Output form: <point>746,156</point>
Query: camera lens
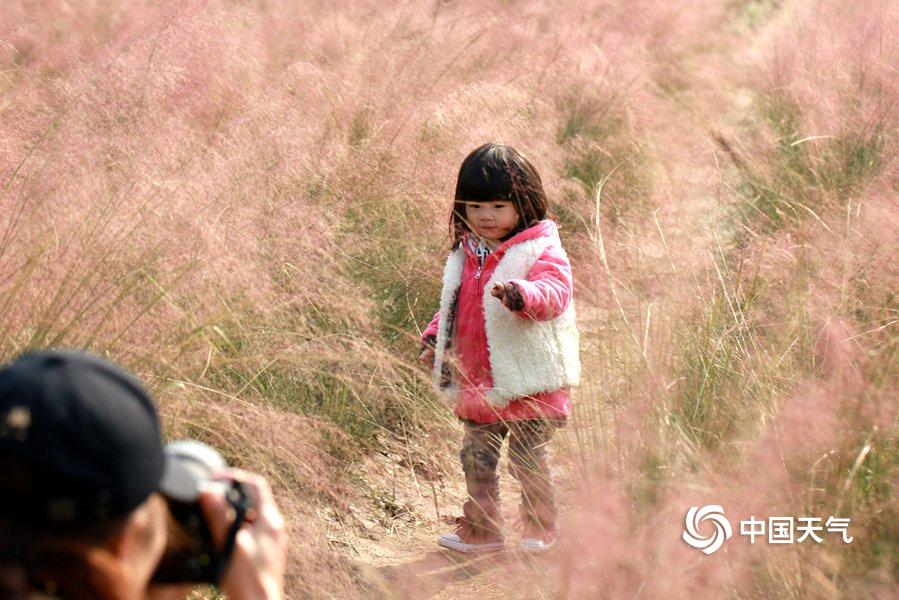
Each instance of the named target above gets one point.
<point>188,463</point>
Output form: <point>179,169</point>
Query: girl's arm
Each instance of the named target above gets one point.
<point>428,342</point>
<point>429,335</point>
<point>547,290</point>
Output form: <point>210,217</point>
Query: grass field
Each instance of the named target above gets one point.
<point>246,202</point>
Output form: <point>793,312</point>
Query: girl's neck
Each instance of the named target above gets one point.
<point>490,244</point>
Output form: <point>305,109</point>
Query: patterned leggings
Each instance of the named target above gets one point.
<point>528,440</point>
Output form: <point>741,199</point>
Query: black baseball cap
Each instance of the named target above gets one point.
<point>80,441</point>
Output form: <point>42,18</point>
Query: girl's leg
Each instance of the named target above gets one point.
<point>480,456</point>
<point>528,463</point>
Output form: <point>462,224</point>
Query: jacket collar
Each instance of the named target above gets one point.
<point>545,227</point>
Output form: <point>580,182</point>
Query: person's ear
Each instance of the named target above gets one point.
<point>137,528</point>
<point>142,538</point>
<point>138,546</point>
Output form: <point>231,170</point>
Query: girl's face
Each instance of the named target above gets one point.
<point>491,220</point>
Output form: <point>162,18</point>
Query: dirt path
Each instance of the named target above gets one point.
<point>411,565</point>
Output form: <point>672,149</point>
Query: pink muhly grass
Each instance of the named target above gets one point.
<point>833,60</point>
<point>248,205</point>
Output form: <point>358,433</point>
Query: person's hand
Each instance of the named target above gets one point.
<point>256,568</point>
<point>428,351</point>
<point>509,294</point>
<point>426,357</point>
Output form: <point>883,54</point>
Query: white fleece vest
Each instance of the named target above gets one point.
<point>526,356</point>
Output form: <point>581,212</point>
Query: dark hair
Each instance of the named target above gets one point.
<point>59,563</point>
<point>497,172</point>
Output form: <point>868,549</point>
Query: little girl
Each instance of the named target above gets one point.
<point>504,346</point>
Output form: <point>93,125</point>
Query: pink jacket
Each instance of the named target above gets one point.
<point>546,291</point>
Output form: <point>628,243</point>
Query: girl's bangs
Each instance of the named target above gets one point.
<point>481,183</point>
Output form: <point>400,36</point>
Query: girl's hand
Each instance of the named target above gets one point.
<point>509,294</point>
<point>427,356</point>
<point>427,351</point>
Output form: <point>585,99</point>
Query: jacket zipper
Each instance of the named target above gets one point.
<point>482,260</point>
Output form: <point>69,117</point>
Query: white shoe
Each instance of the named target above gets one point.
<point>454,542</point>
<point>535,545</point>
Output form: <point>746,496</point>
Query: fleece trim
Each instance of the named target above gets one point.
<point>527,356</point>
<point>452,279</point>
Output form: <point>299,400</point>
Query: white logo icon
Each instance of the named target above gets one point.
<point>697,515</point>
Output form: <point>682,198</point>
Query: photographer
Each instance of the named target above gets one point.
<point>92,505</point>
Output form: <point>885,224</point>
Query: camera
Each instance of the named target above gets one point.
<point>191,555</point>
